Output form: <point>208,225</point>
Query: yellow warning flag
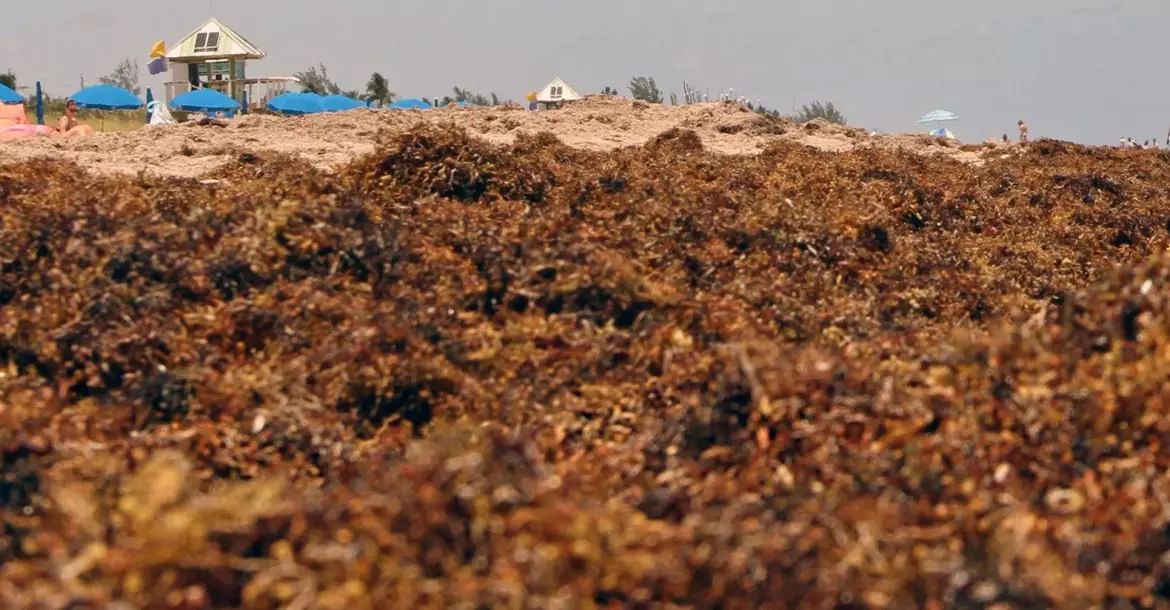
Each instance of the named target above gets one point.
<point>530,97</point>
<point>159,49</point>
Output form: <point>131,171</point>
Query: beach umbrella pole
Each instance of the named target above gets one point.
<point>40,105</point>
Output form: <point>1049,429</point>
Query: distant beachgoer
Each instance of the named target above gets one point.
<point>69,120</point>
<point>1006,140</point>
<point>1023,131</point>
<point>69,125</point>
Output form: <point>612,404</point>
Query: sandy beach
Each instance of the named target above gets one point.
<point>331,140</point>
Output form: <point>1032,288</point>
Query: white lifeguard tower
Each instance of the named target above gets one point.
<point>214,56</point>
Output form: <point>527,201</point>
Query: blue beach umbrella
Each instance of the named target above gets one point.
<point>296,103</point>
<point>205,100</point>
<point>411,103</point>
<point>8,96</point>
<point>340,103</point>
<point>107,97</point>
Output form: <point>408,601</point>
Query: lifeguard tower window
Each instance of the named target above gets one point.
<point>207,41</point>
<point>556,92</point>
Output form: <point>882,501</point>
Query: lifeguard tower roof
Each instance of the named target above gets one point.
<point>557,91</point>
<point>211,41</point>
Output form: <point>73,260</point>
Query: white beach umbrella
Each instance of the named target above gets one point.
<point>938,116</point>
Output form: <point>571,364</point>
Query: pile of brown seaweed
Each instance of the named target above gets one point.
<point>457,375</point>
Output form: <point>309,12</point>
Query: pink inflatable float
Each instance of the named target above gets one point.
<point>25,131</point>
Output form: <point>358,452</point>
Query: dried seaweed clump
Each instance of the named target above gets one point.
<point>676,142</point>
<point>455,374</point>
<point>448,163</point>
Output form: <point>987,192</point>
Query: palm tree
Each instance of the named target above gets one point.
<point>378,90</point>
<point>820,110</point>
<point>316,80</point>
<point>644,88</point>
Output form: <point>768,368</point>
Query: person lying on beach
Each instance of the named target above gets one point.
<point>69,125</point>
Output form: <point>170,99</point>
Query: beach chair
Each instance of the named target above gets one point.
<point>159,114</point>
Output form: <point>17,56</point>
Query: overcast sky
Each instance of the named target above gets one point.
<point>1084,70</point>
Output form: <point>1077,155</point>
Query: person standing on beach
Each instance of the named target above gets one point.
<point>1023,131</point>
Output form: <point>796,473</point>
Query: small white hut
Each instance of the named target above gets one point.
<point>555,93</point>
